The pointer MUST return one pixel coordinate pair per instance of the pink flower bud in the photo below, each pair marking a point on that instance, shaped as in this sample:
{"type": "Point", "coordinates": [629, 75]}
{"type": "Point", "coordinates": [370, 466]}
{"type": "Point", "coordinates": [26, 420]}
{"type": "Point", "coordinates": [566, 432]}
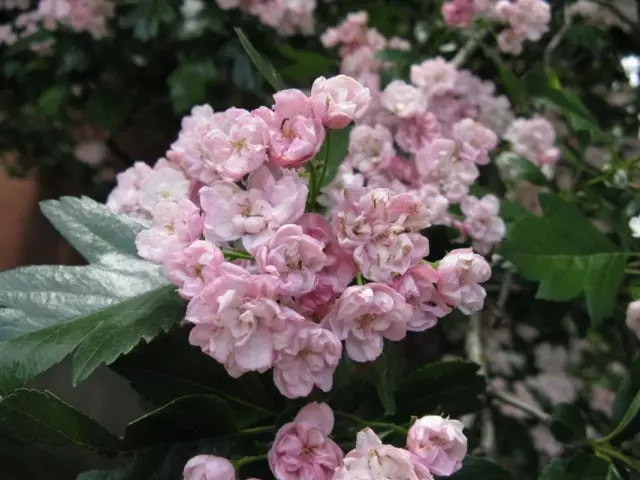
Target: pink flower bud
{"type": "Point", "coordinates": [438, 444]}
{"type": "Point", "coordinates": [339, 100]}
{"type": "Point", "coordinates": [209, 467]}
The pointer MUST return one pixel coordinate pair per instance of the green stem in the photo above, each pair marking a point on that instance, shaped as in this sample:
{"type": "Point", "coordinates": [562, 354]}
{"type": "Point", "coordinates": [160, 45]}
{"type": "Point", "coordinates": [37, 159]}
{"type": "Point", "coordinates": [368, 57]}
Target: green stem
{"type": "Point", "coordinates": [613, 453]}
{"type": "Point", "coordinates": [366, 423]}
{"type": "Point", "coordinates": [632, 271]}
{"type": "Point", "coordinates": [236, 254]}
{"type": "Point", "coordinates": [247, 460]}
{"type": "Point", "coordinates": [359, 279]}
{"type": "Point", "coordinates": [313, 186]}
{"type": "Point", "coordinates": [325, 161]}
{"type": "Point", "coordinates": [256, 430]}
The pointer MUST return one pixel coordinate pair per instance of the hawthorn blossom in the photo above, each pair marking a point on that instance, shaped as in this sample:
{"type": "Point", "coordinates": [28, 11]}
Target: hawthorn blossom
{"type": "Point", "coordinates": [633, 317]}
{"type": "Point", "coordinates": [365, 315]}
{"type": "Point", "coordinates": [438, 444]}
{"type": "Point", "coordinates": [370, 147]}
{"type": "Point", "coordinates": [534, 139]}
{"type": "Point", "coordinates": [274, 197]}
{"type": "Point", "coordinates": [459, 274]}
{"type": "Point", "coordinates": [309, 356]}
{"type": "Point", "coordinates": [303, 449]}
{"type": "Point", "coordinates": [293, 257]}
{"type": "Point", "coordinates": [339, 100]}
{"type": "Point", "coordinates": [416, 132]}
{"type": "Point", "coordinates": [209, 467]}
{"type": "Point", "coordinates": [634, 225]}
{"type": "Point", "coordinates": [435, 76]}
{"type": "Point", "coordinates": [163, 185]}
{"type": "Point", "coordinates": [482, 221]}
{"type": "Point", "coordinates": [403, 100]}
{"type": "Point", "coordinates": [125, 197]}
{"type": "Point", "coordinates": [193, 267]}
{"type": "Point", "coordinates": [175, 225]}
{"type": "Point", "coordinates": [475, 141]}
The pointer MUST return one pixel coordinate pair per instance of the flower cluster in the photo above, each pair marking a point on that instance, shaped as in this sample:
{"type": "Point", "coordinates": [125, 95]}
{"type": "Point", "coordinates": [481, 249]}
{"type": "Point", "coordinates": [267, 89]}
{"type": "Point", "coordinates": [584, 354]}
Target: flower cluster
{"type": "Point", "coordinates": [602, 17]}
{"type": "Point", "coordinates": [287, 17]}
{"type": "Point", "coordinates": [534, 139]}
{"type": "Point", "coordinates": [524, 19]}
{"type": "Point", "coordinates": [297, 285]}
{"type": "Point", "coordinates": [303, 449]}
{"type": "Point", "coordinates": [80, 15]}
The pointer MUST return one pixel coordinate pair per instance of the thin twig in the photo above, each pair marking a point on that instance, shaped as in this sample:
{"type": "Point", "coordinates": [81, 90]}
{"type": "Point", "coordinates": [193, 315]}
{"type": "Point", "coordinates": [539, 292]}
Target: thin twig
{"type": "Point", "coordinates": [476, 354]}
{"type": "Point", "coordinates": [505, 289]}
{"type": "Point", "coordinates": [468, 48]}
{"type": "Point", "coordinates": [516, 402]}
{"type": "Point", "coordinates": [557, 38]}
{"type": "Point", "coordinates": [621, 16]}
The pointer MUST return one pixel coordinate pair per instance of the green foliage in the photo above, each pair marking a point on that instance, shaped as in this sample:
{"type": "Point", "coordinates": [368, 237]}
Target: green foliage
{"type": "Point", "coordinates": [265, 68]}
{"type": "Point", "coordinates": [188, 84]}
{"type": "Point", "coordinates": [567, 423]}
{"type": "Point", "coordinates": [565, 252]}
{"type": "Point", "coordinates": [333, 152]}
{"type": "Point", "coordinates": [476, 468]}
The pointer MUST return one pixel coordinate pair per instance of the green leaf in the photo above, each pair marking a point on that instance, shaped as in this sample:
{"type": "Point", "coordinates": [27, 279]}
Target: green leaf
{"type": "Point", "coordinates": [185, 419]}
{"type": "Point", "coordinates": [476, 468]}
{"type": "Point", "coordinates": [513, 86]}
{"type": "Point", "coordinates": [581, 466]}
{"type": "Point", "coordinates": [188, 84]}
{"type": "Point", "coordinates": [307, 65]}
{"type": "Point", "coordinates": [147, 17]}
{"type": "Point", "coordinates": [630, 415]}
{"type": "Point", "coordinates": [568, 424]}
{"type": "Point", "coordinates": [523, 169]}
{"type": "Point", "coordinates": [387, 369]}
{"type": "Point", "coordinates": [98, 338]}
{"type": "Point", "coordinates": [53, 99]}
{"type": "Point", "coordinates": [264, 67]}
{"type": "Point", "coordinates": [92, 228]}
{"type": "Point", "coordinates": [169, 368]}
{"type": "Point", "coordinates": [450, 387]}
{"type": "Point", "coordinates": [42, 418]}
{"type": "Point", "coordinates": [108, 106]}
{"type": "Point", "coordinates": [337, 142]}
{"type": "Point", "coordinates": [568, 256]}
{"type": "Point", "coordinates": [628, 389]}
{"type": "Point", "coordinates": [119, 474]}
{"type": "Point", "coordinates": [510, 211]}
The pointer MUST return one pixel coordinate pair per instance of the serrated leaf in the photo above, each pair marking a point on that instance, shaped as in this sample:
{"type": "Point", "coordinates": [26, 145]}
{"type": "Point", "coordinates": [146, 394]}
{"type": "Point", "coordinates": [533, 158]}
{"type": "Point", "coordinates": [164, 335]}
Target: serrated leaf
{"type": "Point", "coordinates": [567, 423]}
{"type": "Point", "coordinates": [476, 468]}
{"type": "Point", "coordinates": [92, 228]}
{"type": "Point", "coordinates": [98, 338]}
{"type": "Point", "coordinates": [568, 256]}
{"type": "Point", "coordinates": [334, 149]}
{"type": "Point", "coordinates": [449, 387]}
{"type": "Point", "coordinates": [42, 418]}
{"type": "Point", "coordinates": [182, 421]}
{"type": "Point", "coordinates": [264, 67]}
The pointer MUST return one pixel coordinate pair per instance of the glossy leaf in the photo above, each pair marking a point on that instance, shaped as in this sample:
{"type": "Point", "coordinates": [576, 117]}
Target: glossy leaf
{"type": "Point", "coordinates": [264, 67]}
{"type": "Point", "coordinates": [387, 370]}
{"type": "Point", "coordinates": [632, 413]}
{"type": "Point", "coordinates": [476, 468]}
{"type": "Point", "coordinates": [44, 419]}
{"type": "Point", "coordinates": [188, 84]}
{"type": "Point", "coordinates": [568, 424]}
{"type": "Point", "coordinates": [338, 143]}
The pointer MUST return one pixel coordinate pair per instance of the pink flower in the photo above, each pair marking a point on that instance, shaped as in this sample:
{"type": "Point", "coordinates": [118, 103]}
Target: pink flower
{"type": "Point", "coordinates": [193, 267]}
{"type": "Point", "coordinates": [458, 13]}
{"type": "Point", "coordinates": [633, 317]}
{"type": "Point", "coordinates": [293, 140]}
{"type": "Point", "coordinates": [482, 221]}
{"type": "Point", "coordinates": [403, 100]}
{"type": "Point", "coordinates": [418, 287]}
{"type": "Point", "coordinates": [309, 356]}
{"type": "Point", "coordinates": [302, 449]}
{"type": "Point", "coordinates": [292, 103]}
{"type": "Point", "coordinates": [163, 184]}
{"type": "Point", "coordinates": [459, 275]}
{"type": "Point", "coordinates": [416, 132]}
{"type": "Point", "coordinates": [125, 197]}
{"type": "Point", "coordinates": [237, 322]}
{"type": "Point", "coordinates": [534, 139]}
{"type": "Point", "coordinates": [475, 140]}
{"type": "Point", "coordinates": [175, 225]}
{"type": "Point", "coordinates": [292, 256]}
{"type": "Point", "coordinates": [364, 315]}
{"type": "Point", "coordinates": [209, 467]}
{"type": "Point", "coordinates": [339, 100]}
{"type": "Point", "coordinates": [435, 76]}
{"type": "Point", "coordinates": [274, 197]}
{"type": "Point", "coordinates": [438, 444]}
{"type": "Point", "coordinates": [370, 148]}
{"type": "Point", "coordinates": [241, 149]}
{"type": "Point", "coordinates": [372, 460]}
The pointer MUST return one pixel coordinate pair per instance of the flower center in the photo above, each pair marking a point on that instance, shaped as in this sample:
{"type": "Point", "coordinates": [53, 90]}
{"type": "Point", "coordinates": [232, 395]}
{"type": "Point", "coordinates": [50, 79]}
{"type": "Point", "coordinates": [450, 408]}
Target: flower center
{"type": "Point", "coordinates": [365, 321]}
{"type": "Point", "coordinates": [239, 144]}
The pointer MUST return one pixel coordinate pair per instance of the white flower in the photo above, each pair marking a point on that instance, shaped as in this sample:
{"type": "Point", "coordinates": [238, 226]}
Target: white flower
{"type": "Point", "coordinates": [634, 225]}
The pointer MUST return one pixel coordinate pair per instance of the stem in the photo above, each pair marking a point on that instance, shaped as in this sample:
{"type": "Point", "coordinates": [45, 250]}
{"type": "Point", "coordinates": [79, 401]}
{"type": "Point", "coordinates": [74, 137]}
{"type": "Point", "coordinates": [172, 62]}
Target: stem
{"type": "Point", "coordinates": [247, 460]}
{"type": "Point", "coordinates": [256, 430]}
{"type": "Point", "coordinates": [313, 186]}
{"type": "Point", "coordinates": [632, 271]}
{"type": "Point", "coordinates": [384, 425]}
{"type": "Point", "coordinates": [236, 254]}
{"type": "Point", "coordinates": [555, 41]}
{"type": "Point", "coordinates": [505, 288]}
{"type": "Point", "coordinates": [476, 354]}
{"type": "Point", "coordinates": [325, 161]}
{"type": "Point", "coordinates": [468, 49]}
{"type": "Point", "coordinates": [613, 453]}
{"type": "Point", "coordinates": [516, 402]}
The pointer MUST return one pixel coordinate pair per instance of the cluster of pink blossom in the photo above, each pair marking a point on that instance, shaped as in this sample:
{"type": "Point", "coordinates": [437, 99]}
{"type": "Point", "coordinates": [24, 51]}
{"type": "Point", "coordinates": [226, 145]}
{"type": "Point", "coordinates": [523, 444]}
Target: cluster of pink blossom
{"type": "Point", "coordinates": [286, 16]}
{"type": "Point", "coordinates": [80, 15]}
{"type": "Point", "coordinates": [303, 449]}
{"type": "Point", "coordinates": [230, 186]}
{"type": "Point", "coordinates": [524, 19]}
{"type": "Point", "coordinates": [535, 140]}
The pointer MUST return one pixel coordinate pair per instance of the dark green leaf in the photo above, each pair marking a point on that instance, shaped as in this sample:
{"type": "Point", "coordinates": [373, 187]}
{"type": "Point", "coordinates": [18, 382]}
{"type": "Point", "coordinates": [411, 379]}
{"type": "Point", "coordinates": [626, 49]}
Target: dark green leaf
{"type": "Point", "coordinates": [387, 369]}
{"type": "Point", "coordinates": [630, 416]}
{"type": "Point", "coordinates": [53, 99]}
{"type": "Point", "coordinates": [42, 418]}
{"type": "Point", "coordinates": [169, 368]}
{"type": "Point", "coordinates": [188, 84]}
{"type": "Point", "coordinates": [581, 466]}
{"type": "Point", "coordinates": [147, 17]}
{"type": "Point", "coordinates": [451, 387]}
{"type": "Point", "coordinates": [511, 211]}
{"type": "Point", "coordinates": [185, 419]}
{"type": "Point", "coordinates": [513, 86]}
{"type": "Point", "coordinates": [264, 67]}
{"type": "Point", "coordinates": [307, 65]}
{"type": "Point", "coordinates": [337, 142]}
{"type": "Point", "coordinates": [626, 393]}
{"type": "Point", "coordinates": [476, 468]}
{"type": "Point", "coordinates": [92, 228]}
{"type": "Point", "coordinates": [568, 424]}
{"type": "Point", "coordinates": [523, 169]}
{"type": "Point", "coordinates": [107, 108]}
{"type": "Point", "coordinates": [98, 338]}
{"type": "Point", "coordinates": [568, 256]}
{"type": "Point", "coordinates": [119, 474]}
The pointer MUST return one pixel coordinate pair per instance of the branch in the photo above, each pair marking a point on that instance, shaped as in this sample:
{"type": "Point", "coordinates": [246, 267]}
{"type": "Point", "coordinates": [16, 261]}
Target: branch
{"type": "Point", "coordinates": [516, 402]}
{"type": "Point", "coordinates": [468, 48]}
{"type": "Point", "coordinates": [618, 14]}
